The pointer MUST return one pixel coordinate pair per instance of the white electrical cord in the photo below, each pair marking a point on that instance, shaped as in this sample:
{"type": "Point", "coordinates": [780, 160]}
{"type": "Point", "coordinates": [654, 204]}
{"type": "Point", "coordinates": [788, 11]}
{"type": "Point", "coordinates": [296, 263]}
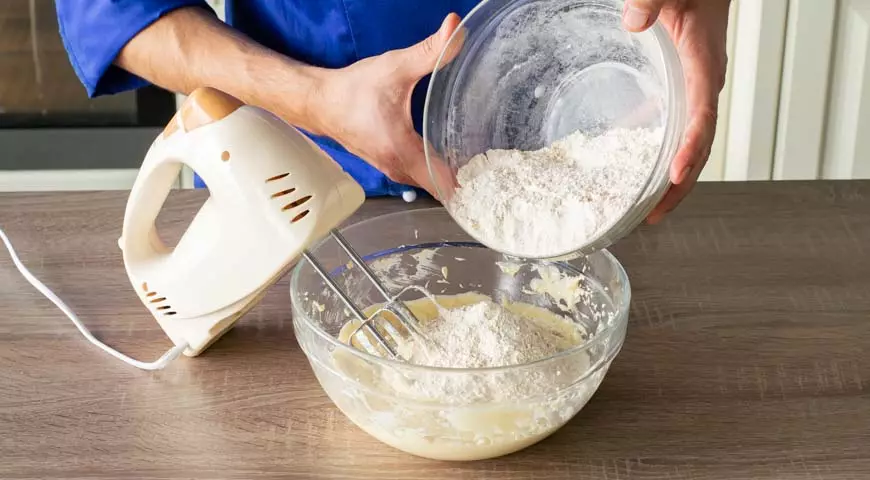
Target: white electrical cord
{"type": "Point", "coordinates": [158, 364]}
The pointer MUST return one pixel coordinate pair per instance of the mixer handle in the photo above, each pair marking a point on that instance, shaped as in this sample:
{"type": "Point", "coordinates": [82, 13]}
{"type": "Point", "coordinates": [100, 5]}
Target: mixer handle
{"type": "Point", "coordinates": [160, 170]}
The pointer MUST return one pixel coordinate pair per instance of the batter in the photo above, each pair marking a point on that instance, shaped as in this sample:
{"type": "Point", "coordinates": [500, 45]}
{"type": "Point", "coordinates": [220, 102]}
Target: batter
{"type": "Point", "coordinates": [460, 414]}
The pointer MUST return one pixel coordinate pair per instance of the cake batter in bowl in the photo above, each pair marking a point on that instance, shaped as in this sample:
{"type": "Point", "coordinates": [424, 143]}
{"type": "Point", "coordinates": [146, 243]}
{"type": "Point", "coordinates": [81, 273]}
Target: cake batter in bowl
{"type": "Point", "coordinates": [459, 413]}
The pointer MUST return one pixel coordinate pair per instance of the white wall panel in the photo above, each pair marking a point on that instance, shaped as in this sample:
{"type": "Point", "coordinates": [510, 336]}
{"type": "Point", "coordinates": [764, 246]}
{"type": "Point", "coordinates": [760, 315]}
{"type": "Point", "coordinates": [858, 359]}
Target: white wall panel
{"type": "Point", "coordinates": [757, 69]}
{"type": "Point", "coordinates": [847, 149]}
{"type": "Point", "coordinates": [715, 169]}
{"type": "Point", "coordinates": [67, 180]}
{"type": "Point", "coordinates": [804, 93]}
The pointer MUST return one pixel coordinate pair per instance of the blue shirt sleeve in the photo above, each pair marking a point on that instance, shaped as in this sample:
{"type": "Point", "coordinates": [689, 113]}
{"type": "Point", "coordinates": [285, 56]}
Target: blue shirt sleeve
{"type": "Point", "coordinates": [95, 31]}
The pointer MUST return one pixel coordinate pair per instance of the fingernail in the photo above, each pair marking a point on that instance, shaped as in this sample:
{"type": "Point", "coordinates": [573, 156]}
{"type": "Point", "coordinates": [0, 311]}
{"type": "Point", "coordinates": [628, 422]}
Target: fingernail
{"type": "Point", "coordinates": [635, 18]}
{"type": "Point", "coordinates": [684, 174]}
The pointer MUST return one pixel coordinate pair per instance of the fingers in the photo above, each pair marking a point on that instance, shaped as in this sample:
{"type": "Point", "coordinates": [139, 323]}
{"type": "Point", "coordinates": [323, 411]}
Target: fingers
{"type": "Point", "coordinates": [638, 15]}
{"type": "Point", "coordinates": [673, 197]}
{"type": "Point", "coordinates": [702, 88]}
{"type": "Point", "coordinates": [688, 163]}
{"type": "Point", "coordinates": [704, 67]}
{"type": "Point", "coordinates": [444, 178]}
{"type": "Point", "coordinates": [414, 166]}
{"type": "Point", "coordinates": [419, 60]}
{"type": "Point", "coordinates": [695, 149]}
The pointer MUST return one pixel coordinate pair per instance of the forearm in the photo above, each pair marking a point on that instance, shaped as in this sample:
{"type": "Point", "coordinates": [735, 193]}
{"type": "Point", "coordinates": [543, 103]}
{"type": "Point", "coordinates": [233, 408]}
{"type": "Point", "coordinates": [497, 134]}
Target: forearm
{"type": "Point", "coordinates": [190, 48]}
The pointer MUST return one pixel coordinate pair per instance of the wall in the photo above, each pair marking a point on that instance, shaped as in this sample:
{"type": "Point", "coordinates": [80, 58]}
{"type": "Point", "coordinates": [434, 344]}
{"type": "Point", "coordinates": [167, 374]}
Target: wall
{"type": "Point", "coordinates": [797, 102]}
{"type": "Point", "coordinates": [39, 89]}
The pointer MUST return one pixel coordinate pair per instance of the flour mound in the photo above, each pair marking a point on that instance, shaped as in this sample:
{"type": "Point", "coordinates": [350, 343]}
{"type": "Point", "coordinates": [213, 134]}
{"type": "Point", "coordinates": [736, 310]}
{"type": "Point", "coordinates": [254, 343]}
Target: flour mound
{"type": "Point", "coordinates": [555, 200]}
{"type": "Point", "coordinates": [486, 334]}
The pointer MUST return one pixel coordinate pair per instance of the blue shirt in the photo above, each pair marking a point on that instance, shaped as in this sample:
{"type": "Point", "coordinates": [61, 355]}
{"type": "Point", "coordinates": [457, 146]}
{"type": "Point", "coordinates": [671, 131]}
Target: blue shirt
{"type": "Point", "coordinates": [325, 33]}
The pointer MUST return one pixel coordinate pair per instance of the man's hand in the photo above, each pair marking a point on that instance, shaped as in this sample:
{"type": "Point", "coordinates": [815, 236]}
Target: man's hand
{"type": "Point", "coordinates": [367, 107]}
{"type": "Point", "coordinates": [698, 29]}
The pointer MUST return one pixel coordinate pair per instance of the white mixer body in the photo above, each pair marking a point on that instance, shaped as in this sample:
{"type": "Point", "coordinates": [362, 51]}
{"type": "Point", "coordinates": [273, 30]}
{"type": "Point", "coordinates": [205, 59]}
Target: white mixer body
{"type": "Point", "coordinates": [273, 193]}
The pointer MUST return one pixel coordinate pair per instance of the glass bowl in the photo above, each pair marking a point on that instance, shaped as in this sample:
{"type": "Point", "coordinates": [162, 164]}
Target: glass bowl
{"type": "Point", "coordinates": [508, 408]}
{"type": "Point", "coordinates": [521, 74]}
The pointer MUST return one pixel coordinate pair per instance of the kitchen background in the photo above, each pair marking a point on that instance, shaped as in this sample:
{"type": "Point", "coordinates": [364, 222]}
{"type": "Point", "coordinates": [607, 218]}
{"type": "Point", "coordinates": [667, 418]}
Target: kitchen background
{"type": "Point", "coordinates": [796, 104]}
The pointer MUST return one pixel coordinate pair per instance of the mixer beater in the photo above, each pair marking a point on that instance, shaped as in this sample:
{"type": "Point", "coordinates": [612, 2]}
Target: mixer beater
{"type": "Point", "coordinates": [391, 304]}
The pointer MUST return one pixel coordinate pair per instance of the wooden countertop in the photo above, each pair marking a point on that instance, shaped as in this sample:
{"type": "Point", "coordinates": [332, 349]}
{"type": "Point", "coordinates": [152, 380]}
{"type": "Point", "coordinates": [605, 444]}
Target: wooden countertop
{"type": "Point", "coordinates": [747, 356]}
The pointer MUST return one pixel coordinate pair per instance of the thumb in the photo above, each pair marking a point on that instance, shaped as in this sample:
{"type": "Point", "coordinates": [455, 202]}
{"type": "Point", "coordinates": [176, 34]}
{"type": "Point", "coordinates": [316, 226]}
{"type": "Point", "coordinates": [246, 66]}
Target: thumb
{"type": "Point", "coordinates": [419, 60]}
{"type": "Point", "coordinates": [440, 181]}
{"type": "Point", "coordinates": [638, 15]}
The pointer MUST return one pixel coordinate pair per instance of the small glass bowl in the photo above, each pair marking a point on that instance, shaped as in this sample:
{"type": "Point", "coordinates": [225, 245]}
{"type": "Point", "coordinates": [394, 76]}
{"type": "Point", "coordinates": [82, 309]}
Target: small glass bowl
{"type": "Point", "coordinates": [379, 395]}
{"type": "Point", "coordinates": [521, 74]}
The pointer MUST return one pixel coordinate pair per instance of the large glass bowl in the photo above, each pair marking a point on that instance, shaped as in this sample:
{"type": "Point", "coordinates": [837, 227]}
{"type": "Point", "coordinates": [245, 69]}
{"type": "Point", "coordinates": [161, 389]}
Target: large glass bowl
{"type": "Point", "coordinates": [521, 74]}
{"type": "Point", "coordinates": [418, 247]}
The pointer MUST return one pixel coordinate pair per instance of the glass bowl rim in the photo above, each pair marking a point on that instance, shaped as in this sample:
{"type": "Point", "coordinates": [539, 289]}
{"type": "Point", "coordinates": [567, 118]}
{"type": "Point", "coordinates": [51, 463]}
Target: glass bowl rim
{"type": "Point", "coordinates": [619, 321]}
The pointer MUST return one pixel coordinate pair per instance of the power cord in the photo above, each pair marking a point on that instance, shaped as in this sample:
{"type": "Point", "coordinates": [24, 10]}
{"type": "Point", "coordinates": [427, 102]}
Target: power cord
{"type": "Point", "coordinates": [158, 364]}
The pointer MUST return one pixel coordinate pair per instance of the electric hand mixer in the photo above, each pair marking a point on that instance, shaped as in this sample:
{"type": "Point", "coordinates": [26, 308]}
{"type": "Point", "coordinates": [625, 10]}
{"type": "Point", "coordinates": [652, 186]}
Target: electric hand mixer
{"type": "Point", "coordinates": [273, 193]}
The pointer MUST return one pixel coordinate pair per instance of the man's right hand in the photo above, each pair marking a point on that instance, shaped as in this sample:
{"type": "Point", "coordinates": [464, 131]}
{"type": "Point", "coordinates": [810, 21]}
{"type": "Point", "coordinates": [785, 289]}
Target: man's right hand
{"type": "Point", "coordinates": [367, 107]}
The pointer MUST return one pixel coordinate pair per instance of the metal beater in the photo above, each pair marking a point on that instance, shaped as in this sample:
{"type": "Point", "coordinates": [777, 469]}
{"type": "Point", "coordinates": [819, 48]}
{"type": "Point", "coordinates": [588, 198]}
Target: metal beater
{"type": "Point", "coordinates": [396, 307]}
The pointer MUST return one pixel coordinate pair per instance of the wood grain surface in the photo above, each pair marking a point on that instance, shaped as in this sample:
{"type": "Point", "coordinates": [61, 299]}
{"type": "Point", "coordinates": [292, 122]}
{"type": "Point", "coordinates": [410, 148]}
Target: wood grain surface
{"type": "Point", "coordinates": [748, 356]}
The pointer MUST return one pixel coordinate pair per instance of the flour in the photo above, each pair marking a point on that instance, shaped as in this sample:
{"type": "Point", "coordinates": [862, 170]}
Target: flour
{"type": "Point", "coordinates": [553, 201]}
{"type": "Point", "coordinates": [470, 330]}
{"type": "Point", "coordinates": [486, 334]}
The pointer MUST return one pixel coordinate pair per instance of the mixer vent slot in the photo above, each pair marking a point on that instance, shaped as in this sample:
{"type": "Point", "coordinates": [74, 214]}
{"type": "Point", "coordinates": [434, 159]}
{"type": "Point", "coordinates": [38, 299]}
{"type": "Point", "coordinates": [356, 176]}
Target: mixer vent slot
{"type": "Point", "coordinates": [299, 217]}
{"type": "Point", "coordinates": [166, 309]}
{"type": "Point", "coordinates": [283, 192]}
{"type": "Point", "coordinates": [278, 177]}
{"type": "Point", "coordinates": [296, 203]}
